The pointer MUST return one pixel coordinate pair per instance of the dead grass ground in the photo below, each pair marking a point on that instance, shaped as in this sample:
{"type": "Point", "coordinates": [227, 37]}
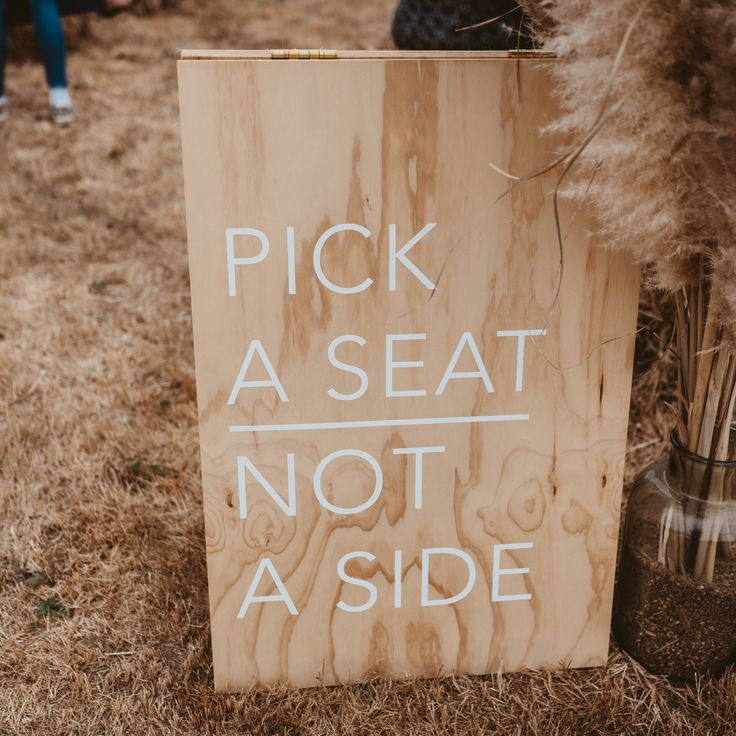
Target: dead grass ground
{"type": "Point", "coordinates": [99, 480]}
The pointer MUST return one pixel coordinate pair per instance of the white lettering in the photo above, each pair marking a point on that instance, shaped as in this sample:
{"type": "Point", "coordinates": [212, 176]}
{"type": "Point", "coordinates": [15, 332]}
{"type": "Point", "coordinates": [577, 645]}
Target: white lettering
{"type": "Point", "coordinates": [347, 368]}
{"type": "Point", "coordinates": [240, 382]}
{"type": "Point", "coordinates": [482, 373]}
{"type": "Point", "coordinates": [348, 453]}
{"type": "Point", "coordinates": [426, 553]}
{"type": "Point", "coordinates": [251, 597]}
{"type": "Point", "coordinates": [520, 334]}
{"type": "Point", "coordinates": [289, 508]}
{"type": "Point", "coordinates": [419, 453]}
{"type": "Point", "coordinates": [391, 365]}
{"type": "Point", "coordinates": [400, 255]}
{"type": "Point", "coordinates": [317, 259]}
{"type": "Point", "coordinates": [372, 592]}
{"type": "Point", "coordinates": [498, 571]}
{"type": "Point", "coordinates": [230, 234]}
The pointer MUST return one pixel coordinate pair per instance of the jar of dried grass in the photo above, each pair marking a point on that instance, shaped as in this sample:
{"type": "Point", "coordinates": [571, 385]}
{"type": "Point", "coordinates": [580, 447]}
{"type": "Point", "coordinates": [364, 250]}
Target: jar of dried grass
{"type": "Point", "coordinates": [675, 605]}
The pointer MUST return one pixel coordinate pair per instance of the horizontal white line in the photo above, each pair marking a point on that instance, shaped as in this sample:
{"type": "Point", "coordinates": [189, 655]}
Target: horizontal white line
{"type": "Point", "coordinates": [378, 423]}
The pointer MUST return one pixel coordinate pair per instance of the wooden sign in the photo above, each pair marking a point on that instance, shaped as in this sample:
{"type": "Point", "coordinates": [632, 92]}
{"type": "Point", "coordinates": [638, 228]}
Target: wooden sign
{"type": "Point", "coordinates": [412, 419]}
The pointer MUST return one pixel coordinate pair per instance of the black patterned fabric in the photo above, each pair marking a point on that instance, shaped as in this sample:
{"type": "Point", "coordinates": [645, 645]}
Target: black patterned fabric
{"type": "Point", "coordinates": [433, 24]}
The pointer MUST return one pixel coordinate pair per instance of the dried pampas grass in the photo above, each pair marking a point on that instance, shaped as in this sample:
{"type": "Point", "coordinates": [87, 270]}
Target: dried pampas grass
{"type": "Point", "coordinates": [649, 97]}
{"type": "Point", "coordinates": [666, 186]}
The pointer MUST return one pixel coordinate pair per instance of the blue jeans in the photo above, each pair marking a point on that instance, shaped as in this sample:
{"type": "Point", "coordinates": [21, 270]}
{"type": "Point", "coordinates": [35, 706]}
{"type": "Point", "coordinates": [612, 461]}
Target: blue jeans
{"type": "Point", "coordinates": [50, 40]}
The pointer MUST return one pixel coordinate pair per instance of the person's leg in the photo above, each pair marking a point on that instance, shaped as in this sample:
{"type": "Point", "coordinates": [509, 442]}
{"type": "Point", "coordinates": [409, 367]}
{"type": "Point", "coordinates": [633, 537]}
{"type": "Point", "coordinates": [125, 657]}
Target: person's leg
{"type": "Point", "coordinates": [51, 41]}
{"type": "Point", "coordinates": [53, 50]}
{"type": "Point", "coordinates": [2, 50]}
{"type": "Point", "coordinates": [3, 99]}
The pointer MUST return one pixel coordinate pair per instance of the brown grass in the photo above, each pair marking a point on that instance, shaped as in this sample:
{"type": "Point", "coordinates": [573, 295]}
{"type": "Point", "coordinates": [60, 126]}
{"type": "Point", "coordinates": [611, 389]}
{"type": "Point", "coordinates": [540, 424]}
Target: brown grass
{"type": "Point", "coordinates": [99, 476]}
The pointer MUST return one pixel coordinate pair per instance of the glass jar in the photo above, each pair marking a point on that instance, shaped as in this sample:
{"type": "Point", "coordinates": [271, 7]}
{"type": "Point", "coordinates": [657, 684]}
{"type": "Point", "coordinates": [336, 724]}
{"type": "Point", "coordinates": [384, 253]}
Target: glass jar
{"type": "Point", "coordinates": [675, 603]}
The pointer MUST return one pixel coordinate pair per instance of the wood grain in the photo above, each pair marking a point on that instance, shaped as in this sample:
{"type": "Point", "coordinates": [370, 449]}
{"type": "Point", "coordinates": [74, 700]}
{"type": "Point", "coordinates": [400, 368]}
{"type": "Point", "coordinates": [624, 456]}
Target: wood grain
{"type": "Point", "coordinates": [311, 144]}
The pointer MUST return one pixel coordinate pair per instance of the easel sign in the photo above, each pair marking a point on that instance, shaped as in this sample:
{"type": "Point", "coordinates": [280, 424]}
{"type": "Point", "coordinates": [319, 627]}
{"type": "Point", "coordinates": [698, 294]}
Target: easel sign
{"type": "Point", "coordinates": [412, 421]}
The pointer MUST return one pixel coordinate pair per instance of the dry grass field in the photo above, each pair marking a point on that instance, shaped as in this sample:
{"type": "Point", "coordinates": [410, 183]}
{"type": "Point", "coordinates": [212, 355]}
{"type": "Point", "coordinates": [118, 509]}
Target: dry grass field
{"type": "Point", "coordinates": [103, 604]}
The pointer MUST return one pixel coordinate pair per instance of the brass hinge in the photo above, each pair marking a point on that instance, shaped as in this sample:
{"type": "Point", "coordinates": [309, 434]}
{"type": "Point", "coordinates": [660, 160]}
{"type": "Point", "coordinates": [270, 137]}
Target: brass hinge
{"type": "Point", "coordinates": [303, 54]}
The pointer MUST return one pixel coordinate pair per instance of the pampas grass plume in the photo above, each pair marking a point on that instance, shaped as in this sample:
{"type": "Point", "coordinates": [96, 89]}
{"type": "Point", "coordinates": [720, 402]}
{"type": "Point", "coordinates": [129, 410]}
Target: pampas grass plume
{"type": "Point", "coordinates": [665, 189]}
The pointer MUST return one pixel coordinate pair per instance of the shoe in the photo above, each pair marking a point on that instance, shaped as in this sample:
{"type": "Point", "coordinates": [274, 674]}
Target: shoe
{"type": "Point", "coordinates": [3, 111]}
{"type": "Point", "coordinates": [62, 115]}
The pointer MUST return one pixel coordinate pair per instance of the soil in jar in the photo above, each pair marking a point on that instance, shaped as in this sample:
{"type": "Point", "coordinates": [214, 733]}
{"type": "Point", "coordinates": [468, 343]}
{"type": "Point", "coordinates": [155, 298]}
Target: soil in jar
{"type": "Point", "coordinates": [673, 624]}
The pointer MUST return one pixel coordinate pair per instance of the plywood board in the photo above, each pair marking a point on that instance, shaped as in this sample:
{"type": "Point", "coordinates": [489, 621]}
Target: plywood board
{"type": "Point", "coordinates": [438, 317]}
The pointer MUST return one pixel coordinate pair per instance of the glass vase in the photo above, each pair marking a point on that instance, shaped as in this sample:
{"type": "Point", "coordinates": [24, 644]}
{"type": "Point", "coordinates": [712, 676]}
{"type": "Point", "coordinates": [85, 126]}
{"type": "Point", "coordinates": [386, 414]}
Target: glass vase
{"type": "Point", "coordinates": [675, 603]}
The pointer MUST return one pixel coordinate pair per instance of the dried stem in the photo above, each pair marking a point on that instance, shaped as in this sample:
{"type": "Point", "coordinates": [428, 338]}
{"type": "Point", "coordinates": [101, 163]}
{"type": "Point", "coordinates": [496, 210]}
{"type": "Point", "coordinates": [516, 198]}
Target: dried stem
{"type": "Point", "coordinates": [704, 419]}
